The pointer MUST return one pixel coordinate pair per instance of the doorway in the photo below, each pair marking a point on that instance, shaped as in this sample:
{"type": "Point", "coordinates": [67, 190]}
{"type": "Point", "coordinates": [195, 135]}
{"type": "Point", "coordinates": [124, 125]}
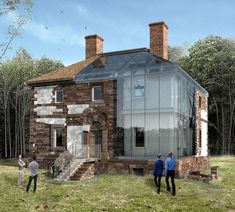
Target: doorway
{"type": "Point", "coordinates": [95, 144]}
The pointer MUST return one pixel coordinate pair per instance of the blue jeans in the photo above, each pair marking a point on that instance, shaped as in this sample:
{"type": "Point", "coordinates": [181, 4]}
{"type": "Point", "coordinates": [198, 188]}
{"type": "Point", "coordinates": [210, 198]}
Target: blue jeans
{"type": "Point", "coordinates": [34, 178]}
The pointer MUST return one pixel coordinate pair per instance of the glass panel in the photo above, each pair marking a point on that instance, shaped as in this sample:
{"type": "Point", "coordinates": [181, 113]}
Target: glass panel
{"type": "Point", "coordinates": [139, 88]}
{"type": "Point", "coordinates": [59, 96]}
{"type": "Point", "coordinates": [116, 65]}
{"type": "Point", "coordinates": [97, 92]}
{"type": "Point", "coordinates": [139, 137]}
{"type": "Point", "coordinates": [155, 102]}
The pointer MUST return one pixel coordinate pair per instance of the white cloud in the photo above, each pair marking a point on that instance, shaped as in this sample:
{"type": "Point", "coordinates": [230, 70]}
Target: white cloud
{"type": "Point", "coordinates": [120, 25]}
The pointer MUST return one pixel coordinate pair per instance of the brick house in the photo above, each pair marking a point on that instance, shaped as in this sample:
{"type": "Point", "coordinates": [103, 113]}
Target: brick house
{"type": "Point", "coordinates": [115, 111]}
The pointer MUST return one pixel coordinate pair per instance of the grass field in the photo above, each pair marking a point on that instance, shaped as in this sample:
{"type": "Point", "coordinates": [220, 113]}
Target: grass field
{"type": "Point", "coordinates": [116, 192]}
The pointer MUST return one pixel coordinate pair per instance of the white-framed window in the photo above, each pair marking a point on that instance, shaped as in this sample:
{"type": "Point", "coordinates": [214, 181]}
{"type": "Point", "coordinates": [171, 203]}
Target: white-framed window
{"type": "Point", "coordinates": [139, 136]}
{"type": "Point", "coordinates": [139, 88]}
{"type": "Point", "coordinates": [59, 96]}
{"type": "Point", "coordinates": [97, 93]}
{"type": "Point", "coordinates": [58, 137]}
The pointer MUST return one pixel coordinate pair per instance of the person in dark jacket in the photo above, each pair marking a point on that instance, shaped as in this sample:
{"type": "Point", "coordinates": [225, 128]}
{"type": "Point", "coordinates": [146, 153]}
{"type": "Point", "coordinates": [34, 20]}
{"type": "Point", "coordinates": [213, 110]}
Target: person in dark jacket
{"type": "Point", "coordinates": [158, 170]}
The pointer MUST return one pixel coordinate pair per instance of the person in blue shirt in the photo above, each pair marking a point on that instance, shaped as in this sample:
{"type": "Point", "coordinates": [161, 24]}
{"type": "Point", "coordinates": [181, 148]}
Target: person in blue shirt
{"type": "Point", "coordinates": [158, 170]}
{"type": "Point", "coordinates": [170, 172]}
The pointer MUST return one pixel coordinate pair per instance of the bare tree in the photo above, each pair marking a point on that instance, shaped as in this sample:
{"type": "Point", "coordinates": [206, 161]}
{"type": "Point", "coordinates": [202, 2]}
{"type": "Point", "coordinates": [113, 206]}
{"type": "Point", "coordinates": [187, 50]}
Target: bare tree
{"type": "Point", "coordinates": [22, 11]}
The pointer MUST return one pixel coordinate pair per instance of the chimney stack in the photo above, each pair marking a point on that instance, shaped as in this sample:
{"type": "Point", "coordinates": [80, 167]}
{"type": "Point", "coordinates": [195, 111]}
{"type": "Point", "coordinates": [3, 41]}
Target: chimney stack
{"type": "Point", "coordinates": [94, 45]}
{"type": "Point", "coordinates": [159, 39]}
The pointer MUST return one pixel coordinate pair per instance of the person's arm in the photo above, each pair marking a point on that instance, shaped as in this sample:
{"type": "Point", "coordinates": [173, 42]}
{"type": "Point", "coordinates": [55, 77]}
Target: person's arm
{"type": "Point", "coordinates": [155, 168]}
{"type": "Point", "coordinates": [166, 165]}
{"type": "Point", "coordinates": [21, 163]}
{"type": "Point", "coordinates": [29, 167]}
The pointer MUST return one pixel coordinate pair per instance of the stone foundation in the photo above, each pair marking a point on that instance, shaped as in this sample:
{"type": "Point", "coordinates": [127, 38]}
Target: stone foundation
{"type": "Point", "coordinates": [184, 165]}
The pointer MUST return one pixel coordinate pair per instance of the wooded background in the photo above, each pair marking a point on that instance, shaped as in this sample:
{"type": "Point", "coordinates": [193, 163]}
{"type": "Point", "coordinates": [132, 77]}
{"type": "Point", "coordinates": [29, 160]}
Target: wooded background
{"type": "Point", "coordinates": [211, 62]}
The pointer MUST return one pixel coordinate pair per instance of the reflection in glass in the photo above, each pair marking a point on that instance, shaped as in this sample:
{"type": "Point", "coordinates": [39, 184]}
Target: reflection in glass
{"type": "Point", "coordinates": [155, 102]}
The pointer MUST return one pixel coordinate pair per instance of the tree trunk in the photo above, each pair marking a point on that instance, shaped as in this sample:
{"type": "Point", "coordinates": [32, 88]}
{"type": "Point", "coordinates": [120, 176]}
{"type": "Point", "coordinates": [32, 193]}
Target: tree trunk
{"type": "Point", "coordinates": [9, 129]}
{"type": "Point", "coordinates": [222, 127]}
{"type": "Point", "coordinates": [5, 130]}
{"type": "Point", "coordinates": [20, 127]}
{"type": "Point", "coordinates": [232, 105]}
{"type": "Point", "coordinates": [218, 124]}
{"type": "Point", "coordinates": [16, 125]}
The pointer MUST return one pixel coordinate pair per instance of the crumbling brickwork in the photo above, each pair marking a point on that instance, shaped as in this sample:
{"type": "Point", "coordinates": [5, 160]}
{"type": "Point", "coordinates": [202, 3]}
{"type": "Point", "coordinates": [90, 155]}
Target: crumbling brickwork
{"type": "Point", "coordinates": [103, 111]}
{"type": "Point", "coordinates": [201, 123]}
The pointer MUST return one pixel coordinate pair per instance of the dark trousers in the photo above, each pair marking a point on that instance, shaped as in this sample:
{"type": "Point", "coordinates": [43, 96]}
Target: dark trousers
{"type": "Point", "coordinates": [34, 178]}
{"type": "Point", "coordinates": [157, 180]}
{"type": "Point", "coordinates": [171, 174]}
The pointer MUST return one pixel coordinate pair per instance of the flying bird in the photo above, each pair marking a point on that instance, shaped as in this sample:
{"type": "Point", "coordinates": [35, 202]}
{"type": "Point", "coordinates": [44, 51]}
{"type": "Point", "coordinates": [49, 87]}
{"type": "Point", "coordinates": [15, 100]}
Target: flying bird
{"type": "Point", "coordinates": [61, 11]}
{"type": "Point", "coordinates": [46, 27]}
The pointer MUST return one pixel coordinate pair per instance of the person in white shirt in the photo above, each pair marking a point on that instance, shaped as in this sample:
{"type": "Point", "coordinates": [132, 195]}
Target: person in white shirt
{"type": "Point", "coordinates": [33, 174]}
{"type": "Point", "coordinates": [21, 165]}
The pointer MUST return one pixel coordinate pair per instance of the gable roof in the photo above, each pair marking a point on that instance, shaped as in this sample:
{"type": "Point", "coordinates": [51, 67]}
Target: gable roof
{"type": "Point", "coordinates": [64, 74]}
{"type": "Point", "coordinates": [69, 73]}
{"type": "Point", "coordinates": [111, 65]}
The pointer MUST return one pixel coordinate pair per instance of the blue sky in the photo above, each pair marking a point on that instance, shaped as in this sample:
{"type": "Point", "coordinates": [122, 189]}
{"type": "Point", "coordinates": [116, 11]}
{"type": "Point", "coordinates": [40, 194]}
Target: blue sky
{"type": "Point", "coordinates": [58, 27]}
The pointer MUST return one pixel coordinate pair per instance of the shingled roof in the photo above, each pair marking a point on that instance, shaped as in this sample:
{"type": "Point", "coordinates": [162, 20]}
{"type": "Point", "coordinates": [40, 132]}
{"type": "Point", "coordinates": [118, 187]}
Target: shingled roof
{"type": "Point", "coordinates": [64, 74]}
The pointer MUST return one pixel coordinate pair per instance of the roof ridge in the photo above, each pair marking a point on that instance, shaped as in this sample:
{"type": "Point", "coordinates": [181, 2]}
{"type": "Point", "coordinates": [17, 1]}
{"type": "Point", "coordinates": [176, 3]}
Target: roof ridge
{"type": "Point", "coordinates": [65, 73]}
{"type": "Point", "coordinates": [125, 51]}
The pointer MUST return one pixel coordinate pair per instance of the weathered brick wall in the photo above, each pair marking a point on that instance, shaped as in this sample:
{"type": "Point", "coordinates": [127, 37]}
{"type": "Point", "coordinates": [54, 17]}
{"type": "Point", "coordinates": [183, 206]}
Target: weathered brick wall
{"type": "Point", "coordinates": [191, 163]}
{"type": "Point", "coordinates": [201, 105]}
{"type": "Point", "coordinates": [184, 165]}
{"type": "Point", "coordinates": [103, 111]}
{"type": "Point", "coordinates": [127, 166]}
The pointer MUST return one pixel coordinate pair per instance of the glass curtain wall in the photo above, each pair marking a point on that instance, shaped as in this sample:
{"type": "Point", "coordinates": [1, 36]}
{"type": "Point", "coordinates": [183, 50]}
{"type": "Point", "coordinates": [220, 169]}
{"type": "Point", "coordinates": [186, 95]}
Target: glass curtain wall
{"type": "Point", "coordinates": [146, 104]}
{"type": "Point", "coordinates": [155, 102]}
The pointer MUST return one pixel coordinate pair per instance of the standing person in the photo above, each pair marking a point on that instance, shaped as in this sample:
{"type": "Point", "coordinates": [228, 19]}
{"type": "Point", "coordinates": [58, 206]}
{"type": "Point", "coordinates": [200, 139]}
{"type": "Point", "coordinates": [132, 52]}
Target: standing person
{"type": "Point", "coordinates": [158, 170]}
{"type": "Point", "coordinates": [33, 174]}
{"type": "Point", "coordinates": [170, 172]}
{"type": "Point", "coordinates": [21, 165]}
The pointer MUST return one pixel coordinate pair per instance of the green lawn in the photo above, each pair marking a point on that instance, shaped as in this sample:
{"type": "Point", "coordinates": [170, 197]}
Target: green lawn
{"type": "Point", "coordinates": [115, 192]}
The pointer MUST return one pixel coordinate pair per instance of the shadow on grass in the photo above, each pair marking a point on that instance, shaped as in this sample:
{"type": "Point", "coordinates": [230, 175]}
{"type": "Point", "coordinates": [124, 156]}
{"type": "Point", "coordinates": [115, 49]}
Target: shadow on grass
{"type": "Point", "coordinates": [149, 181]}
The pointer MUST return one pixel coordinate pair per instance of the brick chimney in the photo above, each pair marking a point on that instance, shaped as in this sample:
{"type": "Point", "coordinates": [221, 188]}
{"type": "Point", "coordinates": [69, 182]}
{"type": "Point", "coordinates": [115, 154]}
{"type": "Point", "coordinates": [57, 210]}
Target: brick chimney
{"type": "Point", "coordinates": [94, 45]}
{"type": "Point", "coordinates": [159, 39]}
